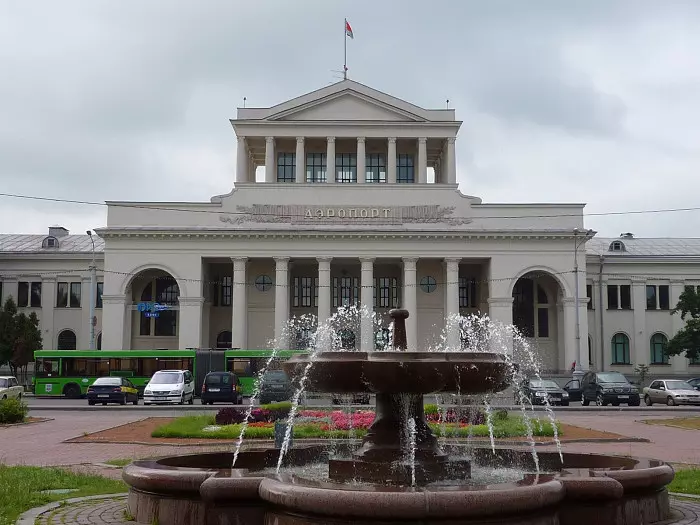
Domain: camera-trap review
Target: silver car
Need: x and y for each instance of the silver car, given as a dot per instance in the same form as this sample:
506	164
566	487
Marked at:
672	392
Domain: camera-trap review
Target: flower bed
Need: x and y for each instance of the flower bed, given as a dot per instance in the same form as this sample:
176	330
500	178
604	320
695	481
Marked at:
334	424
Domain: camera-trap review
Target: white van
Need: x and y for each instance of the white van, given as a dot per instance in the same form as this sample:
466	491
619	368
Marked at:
170	386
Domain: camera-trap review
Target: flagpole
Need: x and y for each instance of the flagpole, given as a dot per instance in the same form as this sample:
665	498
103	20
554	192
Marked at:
345	49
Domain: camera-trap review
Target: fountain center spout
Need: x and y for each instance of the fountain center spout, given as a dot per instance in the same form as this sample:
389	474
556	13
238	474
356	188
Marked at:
399	316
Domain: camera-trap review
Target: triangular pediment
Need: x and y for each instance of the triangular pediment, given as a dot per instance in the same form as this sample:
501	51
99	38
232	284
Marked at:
346	106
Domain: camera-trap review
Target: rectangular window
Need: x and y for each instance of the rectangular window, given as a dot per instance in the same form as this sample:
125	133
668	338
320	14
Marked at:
612	297
98	299
345	291
22	294
376	167
226	290
542	322
467	292
75	295
625	297
35	299
305	294
385	292
166	323
346	167
664	297
315	167
286	167
62	295
404	168
589	294
651	297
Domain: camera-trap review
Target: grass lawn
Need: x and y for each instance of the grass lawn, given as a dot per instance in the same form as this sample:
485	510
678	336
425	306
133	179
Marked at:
690	423
119	462
193	427
686	481
20	488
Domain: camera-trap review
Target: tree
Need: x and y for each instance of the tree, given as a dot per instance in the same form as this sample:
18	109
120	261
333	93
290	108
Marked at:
19	336
688	338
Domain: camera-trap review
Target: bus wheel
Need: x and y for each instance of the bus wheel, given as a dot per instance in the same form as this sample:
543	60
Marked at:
72	391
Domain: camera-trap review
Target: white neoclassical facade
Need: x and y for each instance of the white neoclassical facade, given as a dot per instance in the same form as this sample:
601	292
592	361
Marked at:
348	196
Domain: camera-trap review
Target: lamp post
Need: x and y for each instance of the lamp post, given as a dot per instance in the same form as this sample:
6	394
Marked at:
578	372
93	293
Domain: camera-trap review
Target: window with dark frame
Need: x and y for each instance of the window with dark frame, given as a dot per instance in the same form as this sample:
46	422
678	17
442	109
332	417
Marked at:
98	297
305	294
386	292
286	167
405	171
35	297
589	294
166	292
620	349
315	167
658	297
657	349
346	291
346	167
619	297
467	292
74	296
376	167
226	290
22	294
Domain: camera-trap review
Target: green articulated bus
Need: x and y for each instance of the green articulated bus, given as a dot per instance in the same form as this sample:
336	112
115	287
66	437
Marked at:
69	372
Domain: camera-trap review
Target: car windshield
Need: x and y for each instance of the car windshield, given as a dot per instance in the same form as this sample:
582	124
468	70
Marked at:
543	384
4	383
217	379
107	381
612	377
166	378
275	375
678	385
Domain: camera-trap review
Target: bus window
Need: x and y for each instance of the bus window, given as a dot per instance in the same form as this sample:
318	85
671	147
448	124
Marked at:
45	367
79	366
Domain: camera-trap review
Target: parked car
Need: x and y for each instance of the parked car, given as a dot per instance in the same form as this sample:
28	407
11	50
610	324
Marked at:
672	392
539	391
10	388
605	388
275	386
573	388
695	383
360	398
221	387
169	386
112	390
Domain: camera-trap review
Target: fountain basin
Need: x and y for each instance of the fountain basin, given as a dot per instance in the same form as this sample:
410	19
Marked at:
403	372
585	488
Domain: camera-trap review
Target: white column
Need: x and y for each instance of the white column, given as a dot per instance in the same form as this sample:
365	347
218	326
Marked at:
190	322
324	289
330	159
451	163
84	335
48	302
367	299
300	161
391	160
281	301
639	342
361	168
677	286
452	302
570	344
114	314
422	160
270	159
501	311
241	161
239	317
410	302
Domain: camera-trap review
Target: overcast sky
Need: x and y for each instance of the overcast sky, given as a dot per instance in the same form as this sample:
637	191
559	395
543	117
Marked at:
594	101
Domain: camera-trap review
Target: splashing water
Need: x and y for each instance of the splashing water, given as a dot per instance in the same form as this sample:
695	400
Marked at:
412	449
489	422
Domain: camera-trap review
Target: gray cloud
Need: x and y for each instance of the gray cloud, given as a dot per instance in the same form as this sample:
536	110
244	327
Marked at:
561	101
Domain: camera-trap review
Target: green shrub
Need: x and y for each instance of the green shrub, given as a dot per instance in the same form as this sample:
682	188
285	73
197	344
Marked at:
501	415
430	409
12	411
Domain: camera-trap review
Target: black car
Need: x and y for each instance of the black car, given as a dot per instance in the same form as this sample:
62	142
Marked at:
573	388
539	391
275	386
605	388
221	387
112	390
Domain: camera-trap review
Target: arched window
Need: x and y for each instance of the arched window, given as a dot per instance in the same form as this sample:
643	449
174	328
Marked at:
98	344
50	242
530	308
162	323
66	340
224	339
620	349
657	345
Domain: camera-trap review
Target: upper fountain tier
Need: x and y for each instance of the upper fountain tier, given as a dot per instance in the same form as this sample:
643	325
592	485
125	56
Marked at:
396	372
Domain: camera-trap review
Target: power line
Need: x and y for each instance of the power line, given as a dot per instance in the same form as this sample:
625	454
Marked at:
258	214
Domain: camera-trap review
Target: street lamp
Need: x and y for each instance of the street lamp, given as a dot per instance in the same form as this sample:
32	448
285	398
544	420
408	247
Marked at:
587	234
93	292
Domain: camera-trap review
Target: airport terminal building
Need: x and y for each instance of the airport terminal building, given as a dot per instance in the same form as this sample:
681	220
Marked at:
349	196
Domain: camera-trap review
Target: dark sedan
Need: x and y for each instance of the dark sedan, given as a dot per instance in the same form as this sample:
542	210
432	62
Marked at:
112	390
539	391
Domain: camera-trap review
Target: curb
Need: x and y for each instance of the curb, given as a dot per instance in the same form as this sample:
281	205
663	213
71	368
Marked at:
29	517
681	495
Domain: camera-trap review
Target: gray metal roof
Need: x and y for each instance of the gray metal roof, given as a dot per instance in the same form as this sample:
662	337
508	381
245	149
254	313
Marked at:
645	247
21	243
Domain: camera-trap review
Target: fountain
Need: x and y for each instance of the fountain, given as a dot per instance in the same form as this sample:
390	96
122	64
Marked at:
399	473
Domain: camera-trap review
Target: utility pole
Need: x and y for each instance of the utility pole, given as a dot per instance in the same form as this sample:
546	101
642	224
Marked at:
578	372
93	293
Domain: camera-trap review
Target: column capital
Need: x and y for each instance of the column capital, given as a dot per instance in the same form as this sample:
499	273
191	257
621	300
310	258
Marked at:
500	301
391	140
422	140
269	140
114	299
367	260
360	140
300	140
53	279
452	263
330	140
239	258
281	263
409	263
241	139
638	280
188	300
324	259
451	140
